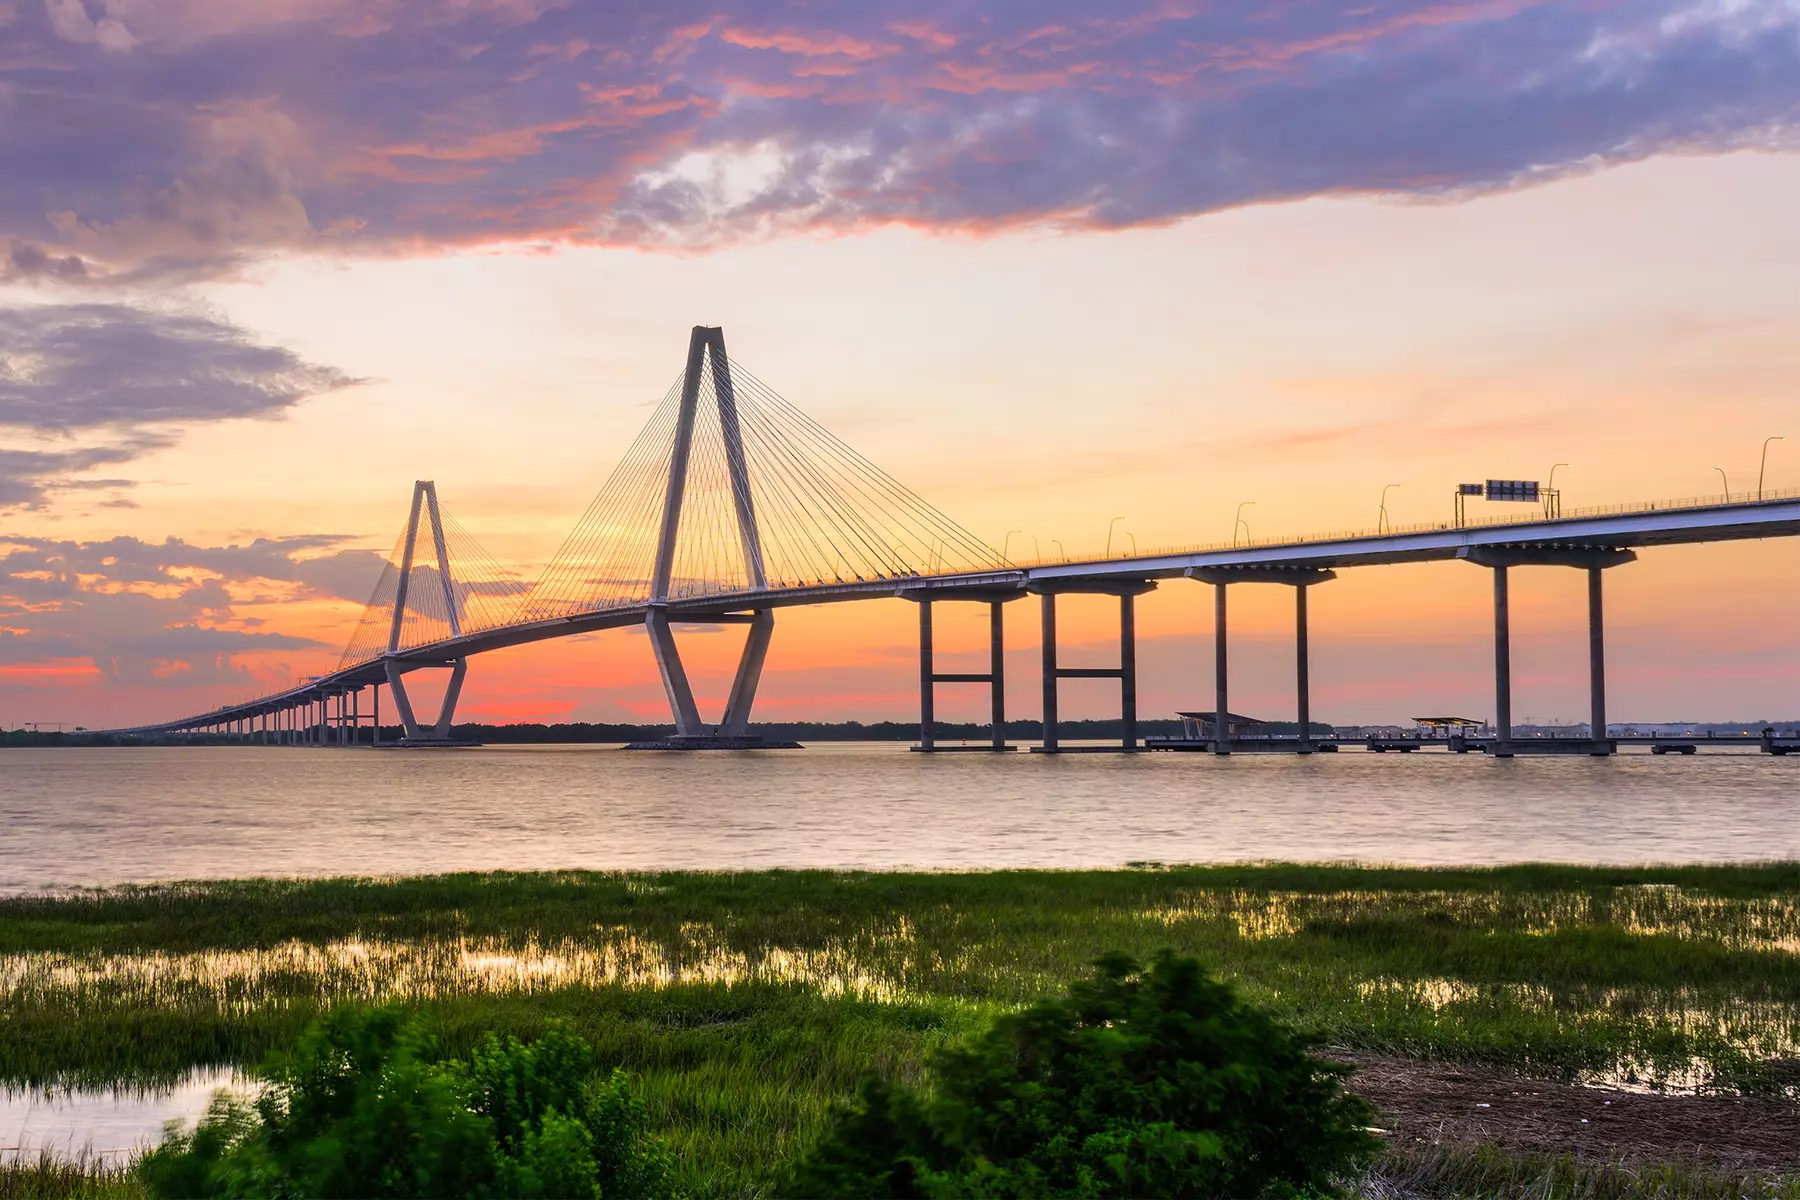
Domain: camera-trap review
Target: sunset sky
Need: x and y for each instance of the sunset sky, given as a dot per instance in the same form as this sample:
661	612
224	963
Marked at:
262	265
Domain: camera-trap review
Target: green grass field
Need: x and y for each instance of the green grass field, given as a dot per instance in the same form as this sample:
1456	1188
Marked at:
747	1004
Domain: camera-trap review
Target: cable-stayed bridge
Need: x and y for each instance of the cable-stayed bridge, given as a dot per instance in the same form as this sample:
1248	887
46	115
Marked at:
732	503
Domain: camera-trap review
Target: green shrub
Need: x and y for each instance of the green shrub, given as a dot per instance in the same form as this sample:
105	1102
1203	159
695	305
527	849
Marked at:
367	1105
1157	1082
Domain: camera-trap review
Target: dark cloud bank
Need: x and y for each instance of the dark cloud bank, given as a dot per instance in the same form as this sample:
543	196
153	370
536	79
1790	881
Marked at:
127	379
174	140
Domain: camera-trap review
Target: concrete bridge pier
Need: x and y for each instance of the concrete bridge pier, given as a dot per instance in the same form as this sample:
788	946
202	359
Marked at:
1298	578
412	731
1592	559
1127	590
995	676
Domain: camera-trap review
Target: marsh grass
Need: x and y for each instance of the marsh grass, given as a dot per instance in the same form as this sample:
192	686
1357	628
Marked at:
748	1003
81	1177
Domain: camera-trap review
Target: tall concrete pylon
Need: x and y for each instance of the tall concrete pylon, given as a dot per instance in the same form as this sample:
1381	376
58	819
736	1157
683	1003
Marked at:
424	501
706	351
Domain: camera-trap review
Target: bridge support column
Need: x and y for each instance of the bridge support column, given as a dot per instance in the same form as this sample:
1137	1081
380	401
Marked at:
994	677
1298	578
1302	672
1221	674
1128	670
1127	590
927	677
1048	607
997	669
749	673
674	675
1592	559
1503	726
1597	666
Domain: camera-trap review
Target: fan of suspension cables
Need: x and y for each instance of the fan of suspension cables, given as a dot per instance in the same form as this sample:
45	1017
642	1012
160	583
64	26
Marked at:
482	594
822	513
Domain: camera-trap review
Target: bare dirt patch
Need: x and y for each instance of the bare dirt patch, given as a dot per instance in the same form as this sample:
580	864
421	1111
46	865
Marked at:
1431	1103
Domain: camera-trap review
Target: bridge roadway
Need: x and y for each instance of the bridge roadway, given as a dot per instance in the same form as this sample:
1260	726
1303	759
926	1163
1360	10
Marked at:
1569	541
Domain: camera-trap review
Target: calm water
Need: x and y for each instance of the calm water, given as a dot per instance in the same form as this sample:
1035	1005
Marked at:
81	817
103	1121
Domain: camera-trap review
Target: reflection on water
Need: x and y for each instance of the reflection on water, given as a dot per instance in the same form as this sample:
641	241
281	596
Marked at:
870	965
76	817
102	1121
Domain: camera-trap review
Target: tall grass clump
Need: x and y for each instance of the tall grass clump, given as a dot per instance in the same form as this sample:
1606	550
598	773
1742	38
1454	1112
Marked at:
1137	1082
83	1176
368	1105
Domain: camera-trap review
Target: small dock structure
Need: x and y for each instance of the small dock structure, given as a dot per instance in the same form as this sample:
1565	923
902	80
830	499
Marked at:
1200	734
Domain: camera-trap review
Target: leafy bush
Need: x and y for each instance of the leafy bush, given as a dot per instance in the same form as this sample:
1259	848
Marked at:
1158	1082
367	1105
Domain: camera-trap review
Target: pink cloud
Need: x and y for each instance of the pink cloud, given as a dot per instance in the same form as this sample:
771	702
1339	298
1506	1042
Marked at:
808	45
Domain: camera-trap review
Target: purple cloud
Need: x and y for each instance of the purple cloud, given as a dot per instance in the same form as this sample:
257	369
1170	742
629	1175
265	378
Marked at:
132	376
178	140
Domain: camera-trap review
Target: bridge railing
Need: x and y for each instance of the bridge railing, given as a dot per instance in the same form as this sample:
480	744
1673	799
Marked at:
1347	535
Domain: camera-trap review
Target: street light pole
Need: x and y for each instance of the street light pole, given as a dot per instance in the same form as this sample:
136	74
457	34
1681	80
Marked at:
1765	462
1726	482
1109	529
1007	544
1551	498
1064	554
1381	518
1238	519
